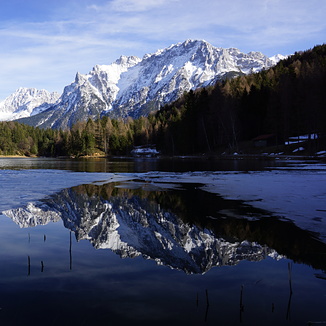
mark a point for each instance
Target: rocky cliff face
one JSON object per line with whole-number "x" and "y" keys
{"x": 134, "y": 87}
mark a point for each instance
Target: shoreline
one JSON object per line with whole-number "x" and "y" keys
{"x": 188, "y": 157}
{"x": 15, "y": 156}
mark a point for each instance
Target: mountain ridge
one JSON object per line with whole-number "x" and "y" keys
{"x": 133, "y": 86}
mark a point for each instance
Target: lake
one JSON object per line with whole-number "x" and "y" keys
{"x": 162, "y": 242}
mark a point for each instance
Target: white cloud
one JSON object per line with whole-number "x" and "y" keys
{"x": 138, "y": 5}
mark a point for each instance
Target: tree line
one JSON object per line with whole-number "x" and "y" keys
{"x": 286, "y": 100}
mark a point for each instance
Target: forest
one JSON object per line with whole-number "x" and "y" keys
{"x": 285, "y": 101}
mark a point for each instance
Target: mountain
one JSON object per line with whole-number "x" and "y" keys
{"x": 26, "y": 102}
{"x": 134, "y": 87}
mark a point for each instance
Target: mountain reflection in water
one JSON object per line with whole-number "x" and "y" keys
{"x": 180, "y": 226}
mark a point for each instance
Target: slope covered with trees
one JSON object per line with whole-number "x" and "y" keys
{"x": 286, "y": 100}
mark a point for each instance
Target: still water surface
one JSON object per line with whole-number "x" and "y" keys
{"x": 153, "y": 251}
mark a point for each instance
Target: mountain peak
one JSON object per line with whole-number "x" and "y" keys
{"x": 79, "y": 78}
{"x": 127, "y": 60}
{"x": 278, "y": 57}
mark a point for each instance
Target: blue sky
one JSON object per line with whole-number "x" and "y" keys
{"x": 43, "y": 43}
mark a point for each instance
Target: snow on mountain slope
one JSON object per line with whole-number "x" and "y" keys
{"x": 26, "y": 102}
{"x": 134, "y": 87}
{"x": 163, "y": 76}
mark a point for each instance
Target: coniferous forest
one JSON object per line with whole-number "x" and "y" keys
{"x": 284, "y": 101}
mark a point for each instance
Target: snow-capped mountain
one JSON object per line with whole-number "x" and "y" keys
{"x": 26, "y": 102}
{"x": 278, "y": 57}
{"x": 133, "y": 87}
{"x": 134, "y": 226}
